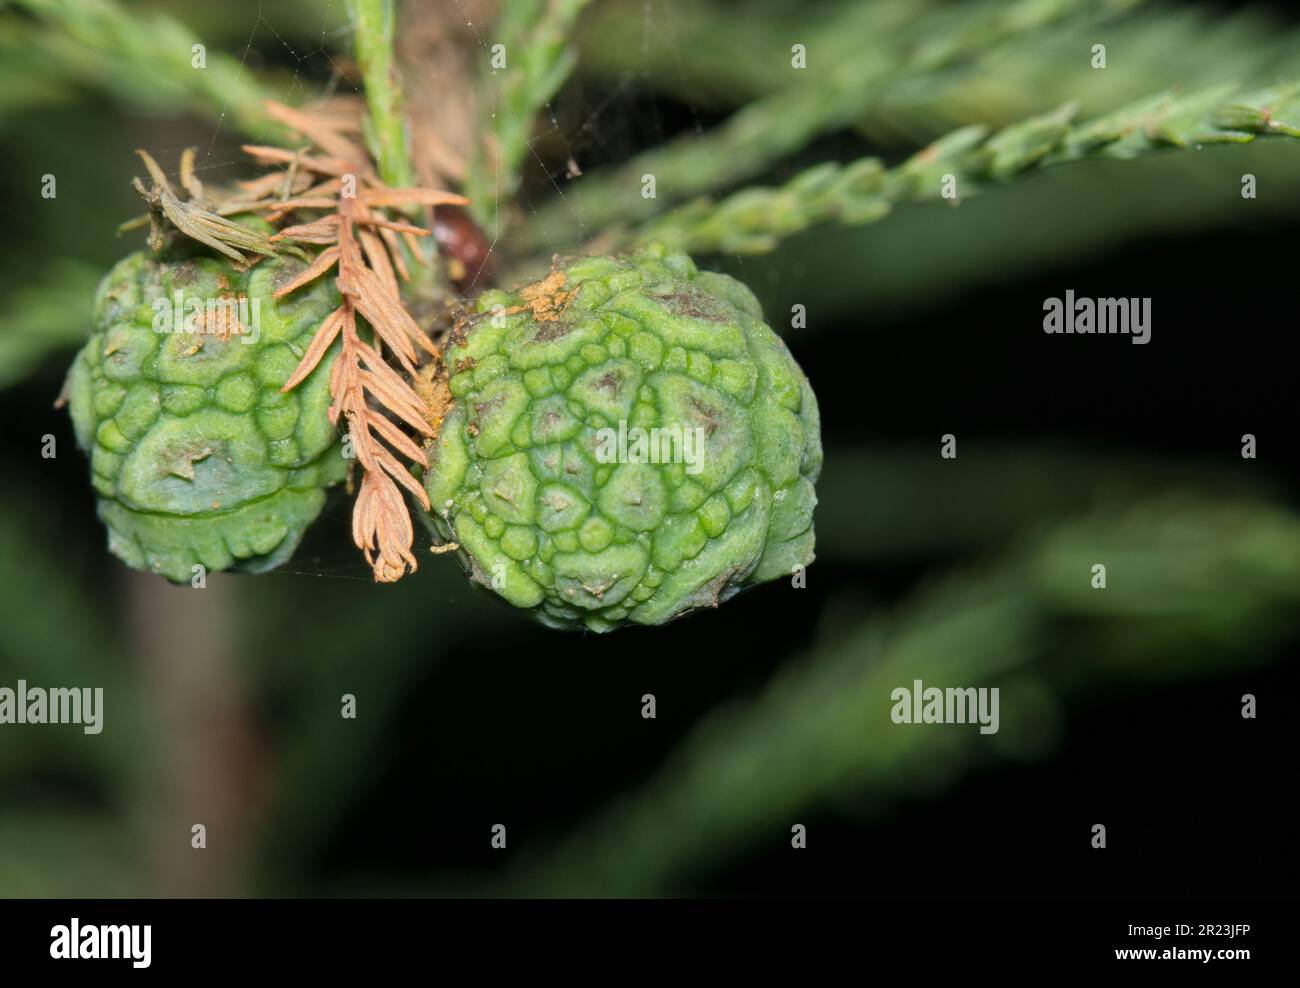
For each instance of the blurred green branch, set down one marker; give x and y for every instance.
(68, 853)
(674, 47)
(898, 503)
(1153, 48)
(143, 58)
(46, 317)
(1196, 587)
(1184, 47)
(36, 633)
(535, 36)
(753, 220)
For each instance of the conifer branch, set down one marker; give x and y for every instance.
(142, 57)
(373, 22)
(775, 126)
(754, 220)
(535, 36)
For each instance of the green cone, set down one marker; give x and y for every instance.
(195, 454)
(629, 442)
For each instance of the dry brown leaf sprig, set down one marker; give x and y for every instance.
(192, 218)
(364, 245)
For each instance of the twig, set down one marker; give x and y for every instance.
(535, 39)
(373, 22)
(754, 220)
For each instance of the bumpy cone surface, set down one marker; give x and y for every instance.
(196, 455)
(629, 442)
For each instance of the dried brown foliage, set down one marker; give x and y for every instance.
(336, 202)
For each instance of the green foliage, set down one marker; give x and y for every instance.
(145, 60)
(1051, 218)
(1160, 46)
(49, 316)
(775, 126)
(538, 58)
(755, 219)
(375, 22)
